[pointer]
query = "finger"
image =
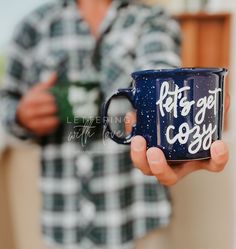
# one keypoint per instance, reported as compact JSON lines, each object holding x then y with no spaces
{"x":227,"y":102}
{"x":130,"y":120}
{"x":184,"y":169}
{"x":48,"y":84}
{"x":40,"y":98}
{"x":219,"y":153}
{"x":51,"y":82}
{"x":44,"y":126}
{"x":160,"y":168}
{"x":43,"y":111}
{"x":219,"y":157}
{"x":138,"y":154}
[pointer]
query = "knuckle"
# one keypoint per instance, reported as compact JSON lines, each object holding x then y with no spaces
{"x":219,"y":165}
{"x":161,"y":175}
{"x":147,"y":172}
{"x":28,"y":112}
{"x":136,"y":165}
{"x":51,"y":123}
{"x":33,"y":125}
{"x":216,"y":168}
{"x":46,"y":123}
{"x":54,"y":108}
{"x":55,"y":121}
{"x":28,"y":101}
{"x":144,"y":171}
{"x":171,"y":181}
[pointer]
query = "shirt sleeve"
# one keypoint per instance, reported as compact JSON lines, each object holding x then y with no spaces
{"x":159,"y":42}
{"x":15,"y":83}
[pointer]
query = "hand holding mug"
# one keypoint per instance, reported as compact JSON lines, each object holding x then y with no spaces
{"x":153,"y":161}
{"x":37,"y":110}
{"x":179,"y":122}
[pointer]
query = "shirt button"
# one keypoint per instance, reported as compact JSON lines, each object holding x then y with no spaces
{"x":84,"y":165}
{"x":88,"y":210}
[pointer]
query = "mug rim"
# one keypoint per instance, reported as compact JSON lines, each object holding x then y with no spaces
{"x":182,"y":70}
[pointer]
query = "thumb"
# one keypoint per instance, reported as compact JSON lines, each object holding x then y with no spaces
{"x":48,"y":84}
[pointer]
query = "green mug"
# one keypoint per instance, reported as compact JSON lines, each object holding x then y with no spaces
{"x":78,"y":102}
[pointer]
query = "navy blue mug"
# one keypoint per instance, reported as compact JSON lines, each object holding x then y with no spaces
{"x":179,"y":110}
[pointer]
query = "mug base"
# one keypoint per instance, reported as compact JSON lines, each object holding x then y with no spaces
{"x":186,"y":160}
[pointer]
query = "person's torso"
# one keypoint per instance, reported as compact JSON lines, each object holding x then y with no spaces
{"x":64,"y":34}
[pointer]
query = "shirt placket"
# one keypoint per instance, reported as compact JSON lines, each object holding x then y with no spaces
{"x":84,"y":166}
{"x":85,"y":161}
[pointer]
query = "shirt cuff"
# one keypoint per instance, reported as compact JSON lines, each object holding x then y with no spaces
{"x":13,"y":126}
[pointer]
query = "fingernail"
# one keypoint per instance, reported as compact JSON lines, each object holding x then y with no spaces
{"x":220,"y":150}
{"x":153,"y":158}
{"x":155,"y":161}
{"x":138,"y":146}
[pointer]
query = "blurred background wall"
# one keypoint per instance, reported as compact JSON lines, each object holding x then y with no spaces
{"x":204,"y":204}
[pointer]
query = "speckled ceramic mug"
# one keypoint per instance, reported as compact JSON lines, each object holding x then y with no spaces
{"x":179,"y":110}
{"x":78,"y":102}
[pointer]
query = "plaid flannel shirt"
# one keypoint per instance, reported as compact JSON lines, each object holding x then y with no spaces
{"x":93,"y":197}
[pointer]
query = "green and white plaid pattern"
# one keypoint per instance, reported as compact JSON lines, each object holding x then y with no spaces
{"x":92,"y":196}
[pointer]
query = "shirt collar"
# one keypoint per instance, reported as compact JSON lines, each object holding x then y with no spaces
{"x":117,"y":3}
{"x":111,"y":16}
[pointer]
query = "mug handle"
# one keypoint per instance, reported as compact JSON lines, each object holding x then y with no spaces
{"x":129,"y":94}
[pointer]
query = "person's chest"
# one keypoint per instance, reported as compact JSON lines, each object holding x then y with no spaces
{"x":67,"y":46}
